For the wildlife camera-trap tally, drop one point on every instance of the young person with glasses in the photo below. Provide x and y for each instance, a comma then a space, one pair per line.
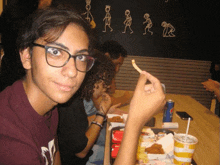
54, 46
28, 113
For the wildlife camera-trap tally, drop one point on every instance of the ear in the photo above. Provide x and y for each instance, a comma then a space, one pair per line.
25, 58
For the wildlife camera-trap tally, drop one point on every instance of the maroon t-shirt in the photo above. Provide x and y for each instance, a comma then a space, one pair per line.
25, 136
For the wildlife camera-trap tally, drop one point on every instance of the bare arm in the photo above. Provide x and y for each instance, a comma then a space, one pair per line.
147, 101
93, 132
124, 99
57, 160
212, 86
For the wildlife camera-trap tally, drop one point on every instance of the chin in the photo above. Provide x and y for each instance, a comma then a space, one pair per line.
61, 99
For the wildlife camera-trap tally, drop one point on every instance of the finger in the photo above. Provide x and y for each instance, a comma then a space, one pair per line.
155, 82
148, 87
216, 82
142, 80
116, 105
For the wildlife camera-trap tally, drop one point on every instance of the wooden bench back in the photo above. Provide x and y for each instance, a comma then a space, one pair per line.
180, 76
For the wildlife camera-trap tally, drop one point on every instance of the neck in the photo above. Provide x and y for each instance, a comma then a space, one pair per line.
40, 103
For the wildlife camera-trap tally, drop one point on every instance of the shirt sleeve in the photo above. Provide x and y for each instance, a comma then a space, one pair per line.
72, 127
89, 107
17, 149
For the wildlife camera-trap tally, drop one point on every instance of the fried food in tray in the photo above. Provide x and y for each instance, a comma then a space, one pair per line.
155, 149
146, 152
117, 119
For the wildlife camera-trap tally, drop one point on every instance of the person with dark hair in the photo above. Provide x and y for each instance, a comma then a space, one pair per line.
54, 46
11, 17
76, 133
213, 85
215, 71
117, 53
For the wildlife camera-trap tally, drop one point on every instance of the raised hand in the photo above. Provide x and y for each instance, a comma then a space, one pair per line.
105, 103
211, 85
148, 99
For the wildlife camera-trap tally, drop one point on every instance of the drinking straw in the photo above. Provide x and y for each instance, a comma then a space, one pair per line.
187, 129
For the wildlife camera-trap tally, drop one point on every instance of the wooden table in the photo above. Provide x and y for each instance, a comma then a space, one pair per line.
204, 126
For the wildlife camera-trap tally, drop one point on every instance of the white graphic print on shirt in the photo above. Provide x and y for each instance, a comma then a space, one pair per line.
49, 153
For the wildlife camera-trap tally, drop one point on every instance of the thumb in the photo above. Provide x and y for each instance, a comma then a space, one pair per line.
116, 105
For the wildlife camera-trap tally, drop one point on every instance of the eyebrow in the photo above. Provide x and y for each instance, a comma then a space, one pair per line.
83, 51
60, 45
66, 48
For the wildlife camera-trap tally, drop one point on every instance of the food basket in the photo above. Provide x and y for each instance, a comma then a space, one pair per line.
114, 145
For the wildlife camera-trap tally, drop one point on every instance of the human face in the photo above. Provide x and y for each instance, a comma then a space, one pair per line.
51, 84
99, 89
118, 62
44, 3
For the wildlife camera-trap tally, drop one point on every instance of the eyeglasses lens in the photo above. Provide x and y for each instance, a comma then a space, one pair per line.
58, 57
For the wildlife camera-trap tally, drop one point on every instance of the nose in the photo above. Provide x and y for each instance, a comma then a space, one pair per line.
69, 70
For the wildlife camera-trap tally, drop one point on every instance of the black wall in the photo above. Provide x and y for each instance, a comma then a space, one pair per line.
196, 23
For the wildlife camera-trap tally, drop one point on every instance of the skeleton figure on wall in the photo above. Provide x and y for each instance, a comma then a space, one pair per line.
149, 24
89, 14
168, 29
128, 21
107, 18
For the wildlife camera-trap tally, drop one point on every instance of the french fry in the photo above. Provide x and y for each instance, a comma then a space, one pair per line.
139, 70
135, 66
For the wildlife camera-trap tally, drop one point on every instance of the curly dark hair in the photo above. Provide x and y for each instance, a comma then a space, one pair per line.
114, 49
103, 69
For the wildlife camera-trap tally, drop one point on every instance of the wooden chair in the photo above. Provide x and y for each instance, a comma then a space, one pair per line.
213, 105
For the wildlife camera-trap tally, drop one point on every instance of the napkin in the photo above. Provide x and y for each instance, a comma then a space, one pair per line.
167, 143
115, 124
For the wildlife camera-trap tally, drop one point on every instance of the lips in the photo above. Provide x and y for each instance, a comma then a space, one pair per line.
64, 87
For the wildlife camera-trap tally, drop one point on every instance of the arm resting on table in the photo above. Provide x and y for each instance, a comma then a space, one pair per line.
92, 134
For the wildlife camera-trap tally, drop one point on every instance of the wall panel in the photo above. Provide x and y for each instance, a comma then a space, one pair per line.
179, 75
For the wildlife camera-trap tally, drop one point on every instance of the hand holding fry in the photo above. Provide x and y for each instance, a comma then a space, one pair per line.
148, 99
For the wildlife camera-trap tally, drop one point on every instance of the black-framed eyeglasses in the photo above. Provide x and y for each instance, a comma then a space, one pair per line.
58, 57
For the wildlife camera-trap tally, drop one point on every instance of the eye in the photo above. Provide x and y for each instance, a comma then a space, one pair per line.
54, 51
81, 58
